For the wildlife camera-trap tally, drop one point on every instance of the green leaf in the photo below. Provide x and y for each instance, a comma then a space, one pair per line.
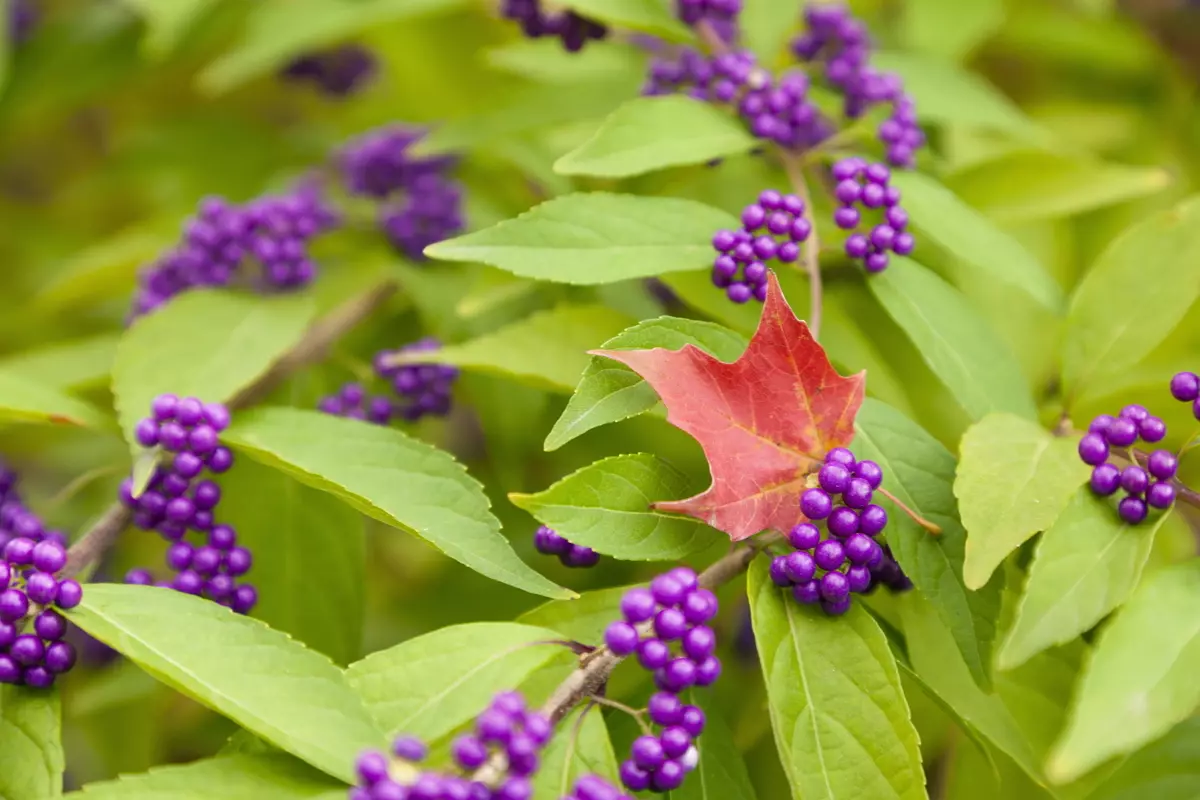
607, 506
919, 471
1167, 769
77, 364
1117, 316
545, 60
258, 677
766, 26
610, 392
721, 773
393, 478
235, 777
957, 344
548, 349
582, 619
840, 718
953, 225
430, 685
950, 28
1038, 184
312, 539
1141, 679
950, 95
1086, 565
578, 748
648, 16
203, 344
106, 270
277, 30
24, 400
1014, 479
595, 238
168, 21
31, 751
652, 133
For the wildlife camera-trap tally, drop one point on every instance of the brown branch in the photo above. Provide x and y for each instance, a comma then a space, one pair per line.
932, 527
312, 348
596, 667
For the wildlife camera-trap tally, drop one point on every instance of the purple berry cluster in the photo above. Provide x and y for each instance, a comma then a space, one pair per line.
32, 650
179, 500
548, 542
506, 727
841, 44
421, 204
666, 627
16, 519
593, 787
337, 72
420, 389
536, 21
1144, 486
1185, 387
827, 569
222, 239
721, 16
773, 227
860, 183
353, 402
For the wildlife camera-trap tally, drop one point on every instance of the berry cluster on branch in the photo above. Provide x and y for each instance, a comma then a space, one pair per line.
575, 30
337, 72
549, 543
1145, 487
860, 183
419, 389
740, 268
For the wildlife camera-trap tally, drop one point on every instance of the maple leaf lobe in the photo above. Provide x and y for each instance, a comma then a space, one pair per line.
764, 421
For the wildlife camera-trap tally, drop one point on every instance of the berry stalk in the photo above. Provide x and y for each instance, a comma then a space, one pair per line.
313, 347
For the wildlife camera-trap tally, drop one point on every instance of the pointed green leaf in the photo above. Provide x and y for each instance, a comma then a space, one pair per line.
607, 506
430, 685
203, 344
31, 751
168, 21
1014, 479
548, 349
1032, 185
652, 133
393, 478
840, 717
234, 777
578, 748
1167, 769
648, 16
313, 540
258, 677
760, 29
77, 364
106, 270
595, 238
954, 340
919, 471
950, 28
582, 619
546, 61
1141, 679
1117, 317
721, 773
1086, 565
610, 392
25, 400
941, 216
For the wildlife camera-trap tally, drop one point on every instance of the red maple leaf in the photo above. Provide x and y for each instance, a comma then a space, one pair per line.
765, 421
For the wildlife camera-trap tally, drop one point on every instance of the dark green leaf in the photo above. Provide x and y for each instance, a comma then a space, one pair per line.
652, 133
309, 539
269, 684
548, 350
1086, 565
607, 506
578, 748
840, 718
78, 364
721, 773
24, 400
957, 344
430, 685
106, 270
610, 392
953, 225
546, 60
1141, 679
919, 471
1014, 479
1117, 316
595, 238
1168, 769
31, 751
235, 777
203, 344
393, 478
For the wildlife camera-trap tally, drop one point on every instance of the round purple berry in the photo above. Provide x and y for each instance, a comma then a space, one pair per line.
621, 638
1093, 449
807, 593
799, 566
1162, 464
1185, 387
638, 605
1134, 479
841, 455
872, 520
670, 624
830, 554
1160, 495
834, 478
1122, 433
1132, 509
843, 521
1105, 479
805, 536
815, 503
653, 654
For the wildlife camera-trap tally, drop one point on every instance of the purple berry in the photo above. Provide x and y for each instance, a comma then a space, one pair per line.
41, 587
49, 556
830, 554
1185, 387
638, 605
59, 657
653, 654
699, 606
1134, 479
836, 608
1122, 433
778, 571
799, 566
859, 577
1152, 429
807, 593
1162, 464
1132, 509
843, 521
665, 708
805, 536
834, 586
872, 520
670, 624
647, 752
1160, 495
469, 752
1101, 423
1093, 449
667, 590
858, 493
841, 455
27, 650
621, 638
870, 472
815, 503
1105, 479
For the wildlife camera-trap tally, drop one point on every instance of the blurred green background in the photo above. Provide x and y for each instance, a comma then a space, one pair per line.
1064, 120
